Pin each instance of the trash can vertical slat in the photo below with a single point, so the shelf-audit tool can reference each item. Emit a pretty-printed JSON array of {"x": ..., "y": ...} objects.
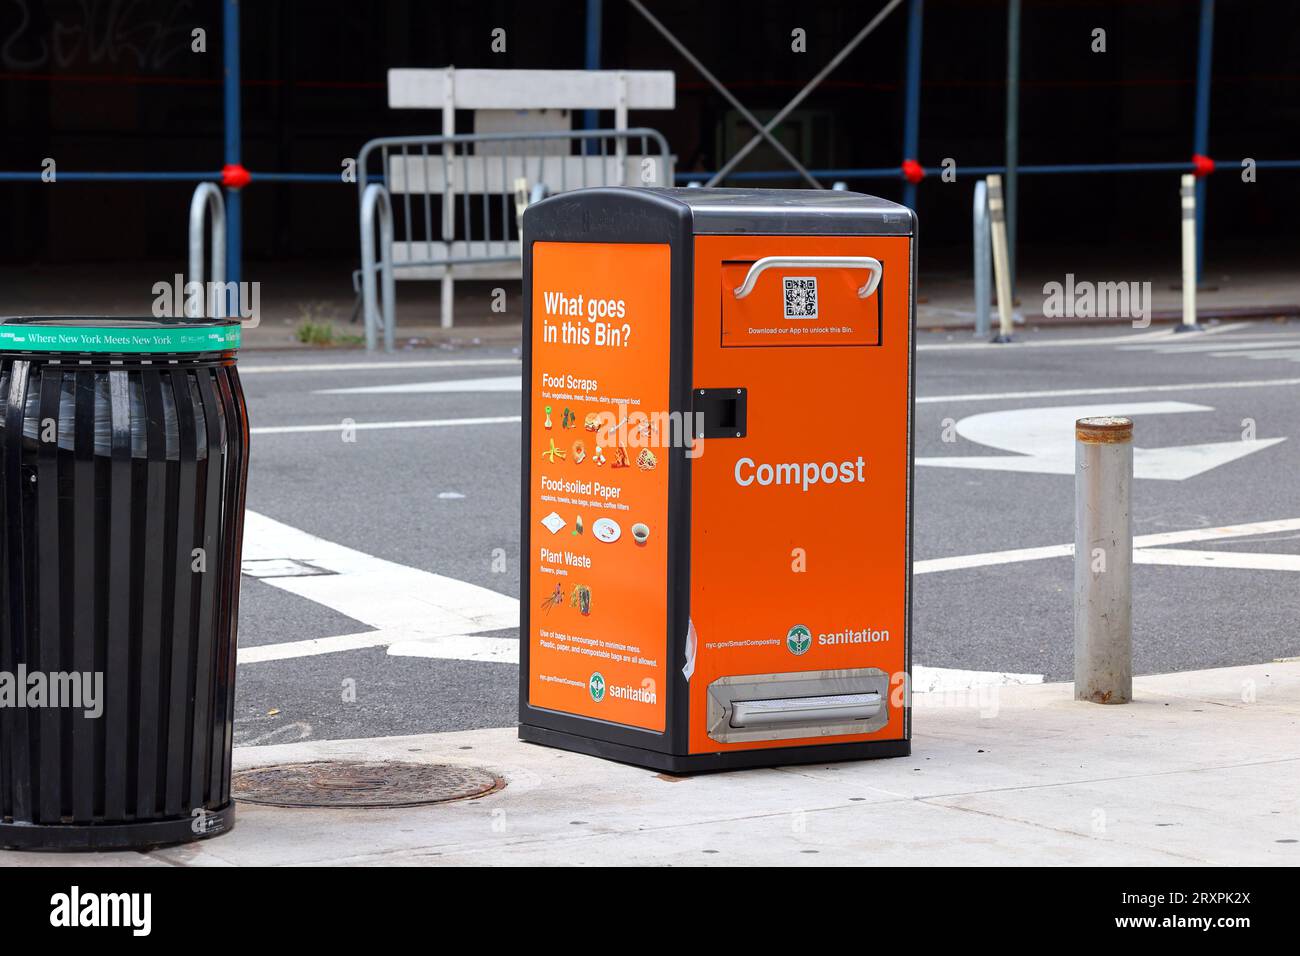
[
  {"x": 50, "y": 626},
  {"x": 181, "y": 637},
  {"x": 155, "y": 546},
  {"x": 85, "y": 614},
  {"x": 16, "y": 738},
  {"x": 235, "y": 486},
  {"x": 216, "y": 753},
  {"x": 117, "y": 676},
  {"x": 205, "y": 649},
  {"x": 6, "y": 775}
]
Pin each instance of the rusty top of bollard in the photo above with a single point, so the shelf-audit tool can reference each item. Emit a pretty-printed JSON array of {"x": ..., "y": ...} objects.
[{"x": 1105, "y": 430}]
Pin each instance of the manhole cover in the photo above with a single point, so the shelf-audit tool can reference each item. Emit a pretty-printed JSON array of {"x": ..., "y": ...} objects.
[{"x": 361, "y": 784}]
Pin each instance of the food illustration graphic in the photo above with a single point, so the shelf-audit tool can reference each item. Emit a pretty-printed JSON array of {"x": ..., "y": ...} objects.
[
  {"x": 646, "y": 461},
  {"x": 555, "y": 598},
  {"x": 592, "y": 421},
  {"x": 553, "y": 452},
  {"x": 598, "y": 455},
  {"x": 581, "y": 598},
  {"x": 579, "y": 452},
  {"x": 568, "y": 418},
  {"x": 547, "y": 423},
  {"x": 606, "y": 529},
  {"x": 620, "y": 457},
  {"x": 640, "y": 532}
]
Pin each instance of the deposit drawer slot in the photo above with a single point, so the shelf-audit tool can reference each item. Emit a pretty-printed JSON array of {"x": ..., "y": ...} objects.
[
  {"x": 800, "y": 704},
  {"x": 796, "y": 710}
]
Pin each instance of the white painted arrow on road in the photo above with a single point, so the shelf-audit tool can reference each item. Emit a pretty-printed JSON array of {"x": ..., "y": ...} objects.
[{"x": 1043, "y": 442}]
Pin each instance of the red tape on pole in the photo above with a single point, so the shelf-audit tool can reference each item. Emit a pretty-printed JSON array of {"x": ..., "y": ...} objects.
[{"x": 235, "y": 176}]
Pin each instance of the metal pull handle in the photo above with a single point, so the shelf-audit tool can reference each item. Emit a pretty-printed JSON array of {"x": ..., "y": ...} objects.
[
  {"x": 814, "y": 262},
  {"x": 795, "y": 710}
]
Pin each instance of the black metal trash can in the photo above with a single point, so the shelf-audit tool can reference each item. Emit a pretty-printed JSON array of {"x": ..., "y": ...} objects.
[{"x": 123, "y": 464}]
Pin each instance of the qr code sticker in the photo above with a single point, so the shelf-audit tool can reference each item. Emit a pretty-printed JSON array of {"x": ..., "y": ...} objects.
[{"x": 800, "y": 297}]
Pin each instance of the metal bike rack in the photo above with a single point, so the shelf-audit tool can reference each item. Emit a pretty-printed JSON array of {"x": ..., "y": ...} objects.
[
  {"x": 375, "y": 201},
  {"x": 454, "y": 195},
  {"x": 207, "y": 198}
]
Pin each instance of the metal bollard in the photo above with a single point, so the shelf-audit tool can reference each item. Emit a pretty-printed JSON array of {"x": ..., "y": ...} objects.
[
  {"x": 1103, "y": 560},
  {"x": 1001, "y": 266},
  {"x": 983, "y": 259},
  {"x": 1188, "y": 196}
]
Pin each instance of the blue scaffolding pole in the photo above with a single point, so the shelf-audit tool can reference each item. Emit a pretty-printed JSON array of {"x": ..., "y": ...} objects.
[
  {"x": 230, "y": 82},
  {"x": 592, "y": 60},
  {"x": 912, "y": 105},
  {"x": 1204, "y": 53},
  {"x": 1035, "y": 169},
  {"x": 1010, "y": 188}
]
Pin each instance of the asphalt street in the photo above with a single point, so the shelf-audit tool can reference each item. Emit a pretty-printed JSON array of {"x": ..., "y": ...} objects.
[{"x": 374, "y": 481}]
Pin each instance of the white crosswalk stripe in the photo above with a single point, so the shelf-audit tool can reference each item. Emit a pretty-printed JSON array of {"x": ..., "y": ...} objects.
[{"x": 1281, "y": 347}]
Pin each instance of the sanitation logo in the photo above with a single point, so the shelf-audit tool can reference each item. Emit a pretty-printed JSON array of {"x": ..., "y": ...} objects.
[
  {"x": 596, "y": 686},
  {"x": 798, "y": 639}
]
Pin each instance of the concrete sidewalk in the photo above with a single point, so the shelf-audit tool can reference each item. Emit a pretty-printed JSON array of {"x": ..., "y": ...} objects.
[{"x": 1203, "y": 768}]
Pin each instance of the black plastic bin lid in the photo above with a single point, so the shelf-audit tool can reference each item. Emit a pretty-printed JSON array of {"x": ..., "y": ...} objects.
[{"x": 76, "y": 334}]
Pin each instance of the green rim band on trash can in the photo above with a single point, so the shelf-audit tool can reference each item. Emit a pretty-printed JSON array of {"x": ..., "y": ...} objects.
[{"x": 124, "y": 338}]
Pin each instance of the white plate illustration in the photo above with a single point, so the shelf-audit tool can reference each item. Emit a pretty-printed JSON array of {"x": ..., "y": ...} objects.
[{"x": 606, "y": 529}]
